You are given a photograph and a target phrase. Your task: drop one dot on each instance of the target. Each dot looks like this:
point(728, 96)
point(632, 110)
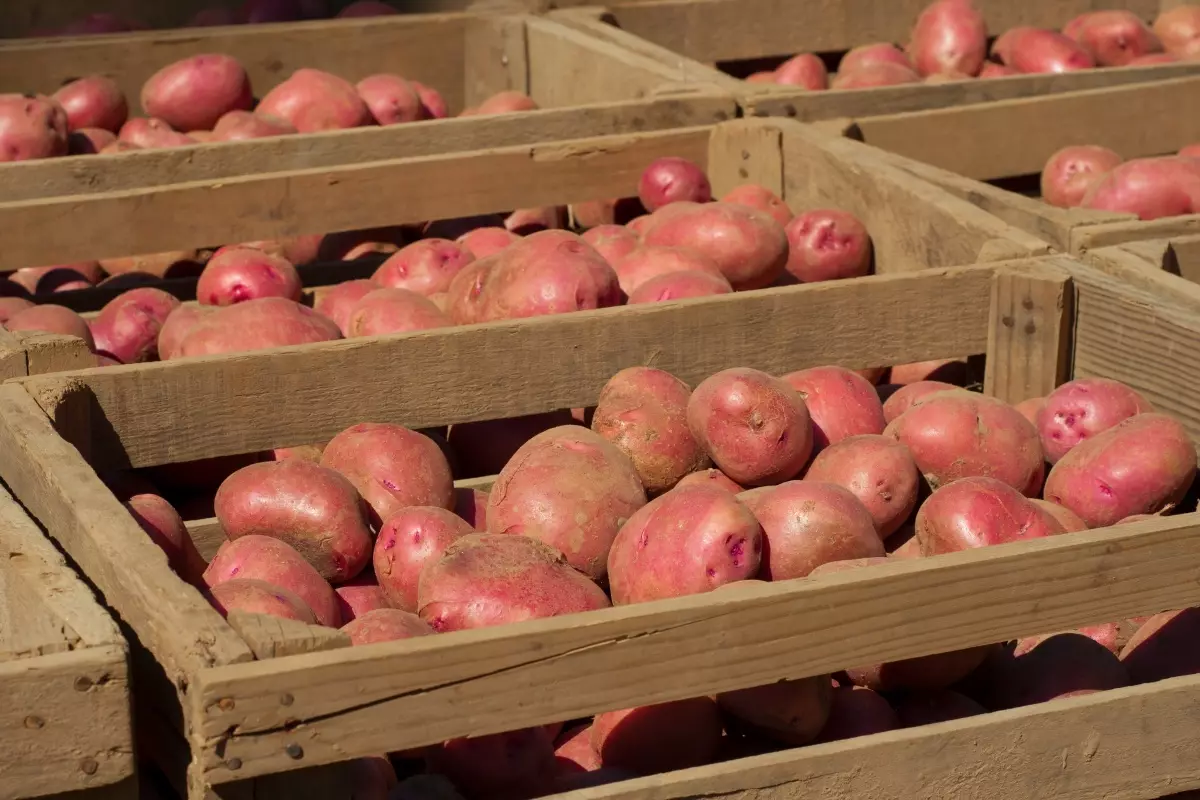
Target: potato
point(271, 560)
point(11, 306)
point(826, 245)
point(877, 470)
point(570, 488)
point(385, 311)
point(950, 36)
point(854, 712)
point(176, 326)
point(93, 102)
point(260, 597)
point(574, 750)
point(1032, 50)
point(755, 427)
point(1142, 465)
point(173, 264)
point(432, 104)
point(31, 127)
point(1151, 188)
point(314, 509)
point(59, 278)
point(550, 272)
point(806, 70)
point(760, 199)
point(165, 527)
point(337, 302)
point(711, 477)
point(687, 541)
point(483, 448)
point(237, 274)
point(1178, 28)
point(679, 286)
point(89, 141)
point(1071, 172)
point(993, 70)
point(360, 595)
point(876, 53)
point(493, 579)
point(194, 92)
point(425, 267)
point(390, 99)
point(612, 242)
point(1164, 647)
point(238, 125)
point(659, 738)
point(915, 709)
point(51, 318)
point(840, 403)
point(507, 102)
point(1190, 151)
point(312, 100)
point(979, 512)
point(922, 673)
point(953, 371)
point(650, 261)
point(128, 327)
point(372, 778)
point(1030, 409)
point(392, 467)
point(525, 221)
point(258, 324)
point(385, 625)
point(791, 712)
point(958, 434)
point(503, 766)
point(870, 76)
point(749, 247)
point(1082, 408)
point(669, 180)
point(486, 241)
point(409, 540)
point(152, 133)
point(1070, 521)
point(1042, 668)
point(1114, 37)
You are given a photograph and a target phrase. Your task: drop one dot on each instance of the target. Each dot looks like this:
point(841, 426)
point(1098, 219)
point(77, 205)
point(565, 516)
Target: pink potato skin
point(432, 104)
point(711, 477)
point(1151, 188)
point(392, 467)
point(1142, 465)
point(483, 448)
point(58, 278)
point(826, 245)
point(760, 199)
point(11, 306)
point(360, 595)
point(651, 261)
point(856, 711)
point(979, 512)
point(385, 311)
point(1115, 37)
point(337, 302)
point(669, 180)
point(805, 70)
point(390, 98)
point(1036, 50)
point(152, 133)
point(239, 125)
point(1178, 28)
point(313, 509)
point(688, 541)
point(1072, 171)
point(485, 579)
point(879, 471)
point(312, 101)
point(385, 625)
point(268, 559)
point(263, 323)
point(1165, 646)
point(659, 738)
point(128, 327)
point(571, 489)
point(755, 427)
point(950, 36)
point(550, 272)
point(791, 712)
point(504, 766)
point(1069, 520)
point(612, 242)
point(574, 750)
point(31, 128)
point(238, 274)
point(260, 597)
point(958, 434)
point(507, 102)
point(93, 102)
point(809, 523)
point(749, 247)
point(993, 70)
point(870, 76)
point(176, 326)
point(165, 527)
point(903, 398)
point(1079, 409)
point(425, 267)
point(840, 403)
point(643, 412)
point(1030, 409)
point(50, 318)
point(483, 242)
point(679, 286)
point(867, 54)
point(1191, 151)
point(409, 540)
point(89, 141)
point(193, 93)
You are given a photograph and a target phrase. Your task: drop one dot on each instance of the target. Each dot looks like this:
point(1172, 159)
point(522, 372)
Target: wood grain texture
point(347, 701)
point(496, 58)
point(52, 352)
point(1183, 257)
point(745, 152)
point(218, 405)
point(273, 637)
point(1029, 335)
point(1085, 239)
point(12, 356)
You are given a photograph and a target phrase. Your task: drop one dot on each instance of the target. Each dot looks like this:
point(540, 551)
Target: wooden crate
point(693, 36)
point(65, 726)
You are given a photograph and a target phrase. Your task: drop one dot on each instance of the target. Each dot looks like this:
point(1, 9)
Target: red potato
point(239, 125)
point(711, 477)
point(128, 326)
point(1079, 409)
point(993, 70)
point(1154, 58)
point(165, 527)
point(840, 404)
point(390, 98)
point(525, 221)
point(483, 448)
point(612, 242)
point(151, 134)
point(1030, 409)
point(877, 470)
point(260, 597)
point(950, 36)
point(432, 104)
point(471, 506)
point(195, 92)
point(237, 274)
point(503, 766)
point(915, 709)
point(760, 77)
point(903, 398)
point(570, 488)
point(1035, 50)
point(360, 595)
point(1043, 668)
point(308, 452)
point(93, 102)
point(1070, 521)
point(425, 267)
point(1114, 37)
point(176, 326)
point(11, 306)
point(1151, 188)
point(367, 8)
point(826, 245)
point(871, 76)
point(876, 53)
point(749, 247)
point(409, 540)
point(613, 211)
point(650, 261)
point(643, 412)
point(372, 778)
point(1072, 171)
point(760, 199)
point(679, 286)
point(1178, 28)
point(959, 434)
point(256, 325)
point(688, 541)
point(1191, 151)
point(385, 625)
point(271, 560)
point(313, 100)
point(856, 711)
point(979, 512)
point(483, 242)
point(507, 103)
point(669, 180)
point(805, 70)
point(1165, 646)
point(314, 509)
point(52, 279)
point(337, 302)
point(659, 738)
point(551, 272)
point(1142, 465)
point(574, 750)
point(791, 712)
point(173, 264)
point(89, 141)
point(392, 467)
point(385, 311)
point(755, 427)
point(31, 127)
point(484, 580)
point(50, 318)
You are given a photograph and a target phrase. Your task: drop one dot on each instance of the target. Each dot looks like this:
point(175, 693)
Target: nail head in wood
point(89, 766)
point(83, 683)
point(294, 751)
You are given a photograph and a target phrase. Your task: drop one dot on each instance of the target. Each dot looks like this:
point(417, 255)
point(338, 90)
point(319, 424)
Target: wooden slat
point(193, 408)
point(12, 356)
point(495, 52)
point(1029, 342)
point(273, 637)
point(347, 702)
point(52, 352)
point(1185, 257)
point(1093, 236)
point(746, 152)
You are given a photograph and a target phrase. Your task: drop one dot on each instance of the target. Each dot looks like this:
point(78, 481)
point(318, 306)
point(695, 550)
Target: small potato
point(659, 738)
point(128, 327)
point(93, 102)
point(502, 766)
point(31, 127)
point(874, 75)
point(868, 54)
point(1042, 668)
point(688, 541)
point(574, 750)
point(385, 311)
point(50, 318)
point(483, 448)
point(409, 540)
point(89, 141)
point(484, 580)
point(1069, 520)
point(612, 242)
point(390, 98)
point(176, 326)
point(483, 242)
point(749, 247)
point(259, 324)
point(385, 625)
point(432, 104)
point(650, 261)
point(950, 36)
point(879, 471)
point(856, 711)
point(711, 477)
point(271, 560)
point(827, 245)
point(1142, 465)
point(755, 427)
point(840, 403)
point(260, 597)
point(525, 221)
point(425, 267)
point(11, 306)
point(151, 134)
point(312, 508)
point(337, 302)
point(1082, 408)
point(806, 70)
point(791, 712)
point(938, 705)
point(679, 286)
point(58, 278)
point(507, 102)
point(1030, 409)
point(360, 595)
point(1115, 37)
point(1071, 172)
point(993, 70)
point(1166, 646)
point(312, 101)
point(238, 125)
point(979, 512)
point(1178, 28)
point(760, 199)
point(1036, 50)
point(669, 180)
point(195, 92)
point(237, 274)
point(165, 527)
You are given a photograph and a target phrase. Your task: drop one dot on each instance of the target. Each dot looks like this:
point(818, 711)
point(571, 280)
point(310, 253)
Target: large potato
point(312, 100)
point(93, 102)
point(659, 738)
point(1071, 172)
point(409, 540)
point(31, 127)
point(128, 327)
point(950, 37)
point(237, 274)
point(425, 267)
point(256, 325)
point(978, 512)
point(749, 247)
point(840, 403)
point(195, 92)
point(879, 471)
point(1080, 409)
point(274, 561)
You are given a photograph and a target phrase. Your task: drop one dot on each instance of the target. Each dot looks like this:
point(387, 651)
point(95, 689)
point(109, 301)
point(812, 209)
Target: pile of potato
point(1090, 176)
point(949, 42)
